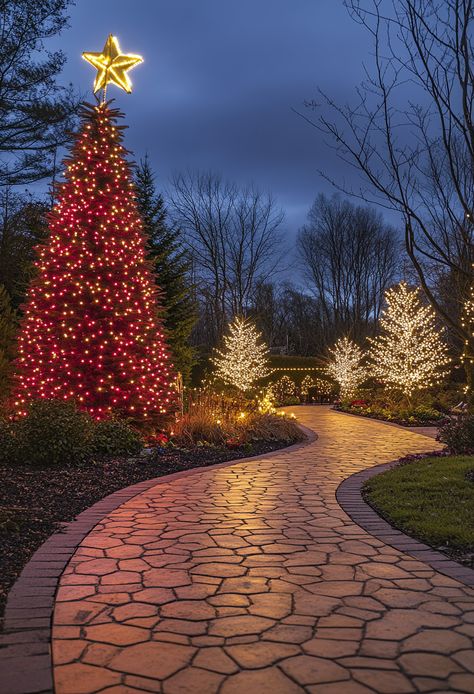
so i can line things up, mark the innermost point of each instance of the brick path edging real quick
(25, 644)
(349, 497)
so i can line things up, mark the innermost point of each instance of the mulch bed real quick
(35, 501)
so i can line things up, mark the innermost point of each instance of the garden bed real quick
(35, 501)
(418, 417)
(431, 499)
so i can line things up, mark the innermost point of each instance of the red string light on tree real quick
(91, 330)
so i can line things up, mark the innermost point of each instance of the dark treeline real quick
(346, 257)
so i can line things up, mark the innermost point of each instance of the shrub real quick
(284, 391)
(7, 446)
(270, 427)
(458, 434)
(220, 420)
(199, 427)
(114, 437)
(424, 413)
(52, 433)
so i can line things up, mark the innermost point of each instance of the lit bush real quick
(114, 437)
(220, 420)
(458, 434)
(284, 391)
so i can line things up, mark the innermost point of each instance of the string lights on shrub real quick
(284, 389)
(345, 367)
(243, 361)
(409, 355)
(306, 384)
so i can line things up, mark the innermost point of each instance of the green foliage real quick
(114, 437)
(35, 113)
(432, 499)
(8, 324)
(422, 415)
(171, 268)
(23, 226)
(458, 434)
(53, 433)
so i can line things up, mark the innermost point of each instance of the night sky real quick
(219, 82)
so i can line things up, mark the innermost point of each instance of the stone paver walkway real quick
(250, 579)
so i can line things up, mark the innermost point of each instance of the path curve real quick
(252, 579)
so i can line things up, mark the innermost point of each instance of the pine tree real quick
(8, 325)
(345, 367)
(91, 331)
(409, 355)
(172, 269)
(244, 358)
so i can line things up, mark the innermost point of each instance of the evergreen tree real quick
(91, 330)
(36, 113)
(171, 267)
(409, 355)
(8, 324)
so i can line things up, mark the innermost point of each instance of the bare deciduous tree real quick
(349, 257)
(234, 239)
(410, 132)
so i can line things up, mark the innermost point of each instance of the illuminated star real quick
(112, 65)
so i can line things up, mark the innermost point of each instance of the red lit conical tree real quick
(91, 330)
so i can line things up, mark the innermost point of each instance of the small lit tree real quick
(409, 355)
(284, 389)
(306, 384)
(323, 387)
(243, 361)
(345, 367)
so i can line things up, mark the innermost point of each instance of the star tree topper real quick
(112, 66)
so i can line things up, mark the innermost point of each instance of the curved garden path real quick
(250, 578)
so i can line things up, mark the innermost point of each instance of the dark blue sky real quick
(219, 81)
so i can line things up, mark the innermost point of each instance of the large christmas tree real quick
(91, 330)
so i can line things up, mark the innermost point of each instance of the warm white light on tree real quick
(284, 389)
(468, 324)
(306, 384)
(243, 361)
(409, 355)
(345, 367)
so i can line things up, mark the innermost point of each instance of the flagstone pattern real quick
(250, 578)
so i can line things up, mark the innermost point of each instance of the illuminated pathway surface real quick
(251, 579)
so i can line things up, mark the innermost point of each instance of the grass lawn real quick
(432, 500)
